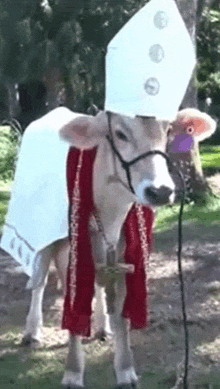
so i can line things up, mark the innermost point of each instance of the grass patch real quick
(157, 380)
(8, 151)
(25, 368)
(210, 158)
(21, 371)
(4, 199)
(207, 215)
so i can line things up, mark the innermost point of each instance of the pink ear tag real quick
(190, 130)
(182, 143)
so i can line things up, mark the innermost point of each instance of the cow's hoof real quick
(127, 379)
(72, 387)
(100, 335)
(127, 386)
(72, 380)
(29, 341)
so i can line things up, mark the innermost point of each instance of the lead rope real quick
(182, 290)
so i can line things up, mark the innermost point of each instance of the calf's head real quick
(131, 137)
(141, 144)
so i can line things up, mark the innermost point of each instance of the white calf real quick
(113, 197)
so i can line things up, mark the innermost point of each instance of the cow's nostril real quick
(159, 195)
(165, 191)
(151, 192)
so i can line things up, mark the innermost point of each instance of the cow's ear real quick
(84, 131)
(195, 123)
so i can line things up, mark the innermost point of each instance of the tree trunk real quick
(189, 14)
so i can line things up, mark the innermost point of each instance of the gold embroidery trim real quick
(74, 228)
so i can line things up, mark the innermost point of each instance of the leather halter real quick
(126, 164)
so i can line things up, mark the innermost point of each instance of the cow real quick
(115, 191)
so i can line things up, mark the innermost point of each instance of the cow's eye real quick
(169, 129)
(120, 135)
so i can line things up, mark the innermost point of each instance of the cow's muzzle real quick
(158, 196)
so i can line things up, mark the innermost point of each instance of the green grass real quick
(206, 215)
(24, 368)
(210, 158)
(157, 380)
(8, 145)
(8, 151)
(5, 140)
(4, 199)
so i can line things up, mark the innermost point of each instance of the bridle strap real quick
(126, 164)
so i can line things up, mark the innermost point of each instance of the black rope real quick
(182, 287)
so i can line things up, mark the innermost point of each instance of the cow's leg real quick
(73, 376)
(123, 362)
(34, 319)
(58, 251)
(61, 258)
(74, 371)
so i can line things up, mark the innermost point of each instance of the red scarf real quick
(81, 271)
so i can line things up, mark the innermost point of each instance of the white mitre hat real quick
(149, 63)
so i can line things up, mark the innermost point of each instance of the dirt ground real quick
(158, 350)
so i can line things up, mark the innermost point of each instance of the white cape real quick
(38, 209)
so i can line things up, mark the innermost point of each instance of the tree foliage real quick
(63, 43)
(69, 35)
(208, 54)
(9, 144)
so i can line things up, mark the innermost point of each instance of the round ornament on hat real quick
(156, 53)
(152, 86)
(161, 20)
